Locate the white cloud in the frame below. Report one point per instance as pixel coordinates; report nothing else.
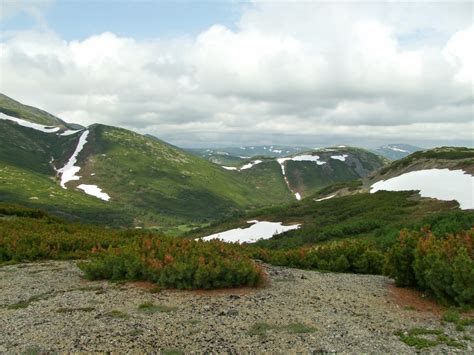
(292, 73)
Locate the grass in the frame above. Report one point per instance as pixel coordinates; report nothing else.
(172, 352)
(463, 323)
(117, 314)
(135, 332)
(298, 328)
(155, 290)
(261, 329)
(149, 307)
(451, 316)
(26, 303)
(421, 338)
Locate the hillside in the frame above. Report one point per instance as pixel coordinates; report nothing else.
(245, 152)
(98, 171)
(396, 151)
(370, 217)
(13, 108)
(305, 173)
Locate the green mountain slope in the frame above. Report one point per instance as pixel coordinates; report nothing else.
(149, 182)
(375, 217)
(146, 173)
(13, 108)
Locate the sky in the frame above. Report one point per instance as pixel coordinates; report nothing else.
(227, 73)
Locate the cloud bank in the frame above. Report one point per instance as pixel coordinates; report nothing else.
(291, 73)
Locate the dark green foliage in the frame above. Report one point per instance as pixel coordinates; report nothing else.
(175, 263)
(328, 190)
(378, 217)
(441, 266)
(347, 256)
(126, 254)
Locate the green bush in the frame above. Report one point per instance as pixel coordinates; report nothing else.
(346, 256)
(175, 263)
(443, 267)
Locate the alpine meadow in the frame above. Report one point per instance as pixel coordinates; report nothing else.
(236, 177)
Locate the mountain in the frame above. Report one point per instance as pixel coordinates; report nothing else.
(13, 108)
(225, 156)
(396, 151)
(112, 175)
(433, 187)
(307, 172)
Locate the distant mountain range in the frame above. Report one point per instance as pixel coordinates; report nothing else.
(396, 151)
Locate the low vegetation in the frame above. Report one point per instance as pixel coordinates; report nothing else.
(125, 254)
(435, 254)
(421, 338)
(443, 266)
(174, 263)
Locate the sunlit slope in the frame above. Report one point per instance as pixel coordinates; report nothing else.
(146, 173)
(14, 108)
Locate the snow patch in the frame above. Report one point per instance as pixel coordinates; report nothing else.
(94, 190)
(68, 171)
(70, 132)
(249, 165)
(281, 161)
(442, 184)
(28, 124)
(339, 157)
(398, 149)
(307, 157)
(325, 198)
(298, 196)
(258, 230)
(244, 167)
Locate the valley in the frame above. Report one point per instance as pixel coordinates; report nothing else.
(124, 236)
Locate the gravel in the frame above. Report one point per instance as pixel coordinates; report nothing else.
(299, 312)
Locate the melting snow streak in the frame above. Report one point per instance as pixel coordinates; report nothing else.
(94, 190)
(28, 124)
(68, 171)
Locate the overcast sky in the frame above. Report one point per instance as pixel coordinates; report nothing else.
(244, 73)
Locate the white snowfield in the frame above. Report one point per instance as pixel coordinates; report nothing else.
(442, 184)
(339, 157)
(398, 149)
(251, 164)
(325, 198)
(308, 157)
(258, 230)
(244, 167)
(298, 196)
(94, 190)
(69, 132)
(24, 123)
(68, 171)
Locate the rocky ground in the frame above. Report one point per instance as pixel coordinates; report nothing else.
(49, 307)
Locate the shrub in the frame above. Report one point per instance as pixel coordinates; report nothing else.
(443, 267)
(346, 256)
(175, 263)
